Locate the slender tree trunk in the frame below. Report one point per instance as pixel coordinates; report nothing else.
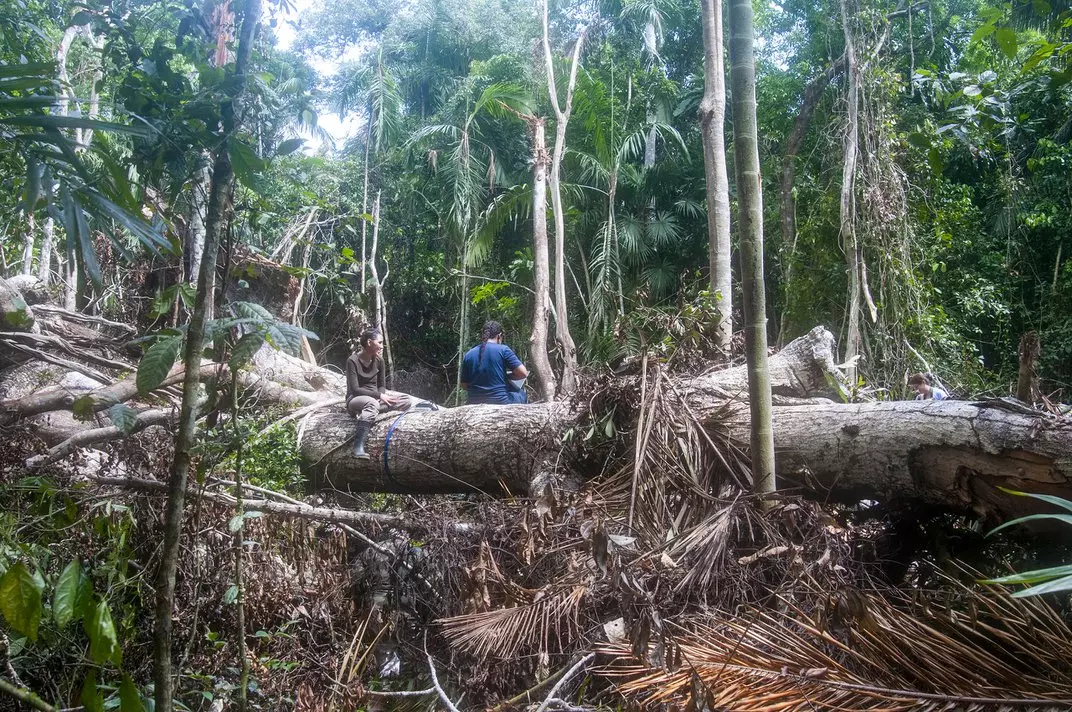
(28, 244)
(712, 130)
(239, 552)
(1027, 384)
(463, 319)
(44, 257)
(750, 224)
(217, 220)
(562, 116)
(377, 286)
(195, 230)
(538, 341)
(848, 203)
(364, 204)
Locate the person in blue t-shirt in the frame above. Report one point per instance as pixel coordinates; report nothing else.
(492, 372)
(921, 384)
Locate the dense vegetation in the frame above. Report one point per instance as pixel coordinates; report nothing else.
(935, 248)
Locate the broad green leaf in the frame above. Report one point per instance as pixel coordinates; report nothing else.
(84, 407)
(245, 161)
(983, 32)
(251, 310)
(41, 69)
(72, 595)
(91, 697)
(123, 417)
(20, 600)
(919, 140)
(1006, 39)
(972, 90)
(157, 362)
(1042, 8)
(230, 595)
(1055, 586)
(151, 237)
(284, 339)
(239, 520)
(129, 698)
(289, 146)
(103, 644)
(1032, 576)
(245, 348)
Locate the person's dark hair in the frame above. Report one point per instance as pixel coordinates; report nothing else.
(368, 336)
(919, 379)
(490, 331)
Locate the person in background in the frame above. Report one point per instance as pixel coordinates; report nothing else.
(492, 372)
(366, 393)
(921, 382)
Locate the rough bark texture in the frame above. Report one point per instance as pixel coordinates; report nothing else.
(712, 130)
(750, 225)
(1027, 383)
(949, 453)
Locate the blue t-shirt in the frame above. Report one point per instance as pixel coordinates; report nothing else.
(487, 376)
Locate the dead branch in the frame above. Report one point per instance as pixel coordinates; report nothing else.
(552, 695)
(99, 435)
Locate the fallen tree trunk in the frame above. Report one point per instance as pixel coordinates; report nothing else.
(949, 453)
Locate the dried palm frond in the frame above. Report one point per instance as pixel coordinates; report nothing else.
(546, 623)
(988, 651)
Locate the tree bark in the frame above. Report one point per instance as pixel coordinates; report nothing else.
(1027, 384)
(848, 194)
(562, 115)
(541, 363)
(750, 224)
(953, 454)
(217, 219)
(712, 131)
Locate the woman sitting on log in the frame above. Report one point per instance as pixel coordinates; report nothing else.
(492, 372)
(366, 393)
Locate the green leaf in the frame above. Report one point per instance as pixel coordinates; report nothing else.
(982, 33)
(238, 521)
(245, 161)
(20, 600)
(919, 140)
(251, 310)
(1006, 39)
(91, 697)
(289, 146)
(230, 595)
(1042, 8)
(1055, 586)
(157, 362)
(72, 595)
(245, 348)
(103, 644)
(1047, 498)
(76, 122)
(129, 699)
(1032, 576)
(1066, 518)
(972, 90)
(123, 417)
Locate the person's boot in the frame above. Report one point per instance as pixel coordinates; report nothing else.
(359, 440)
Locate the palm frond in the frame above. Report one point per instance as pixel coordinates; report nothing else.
(979, 650)
(513, 205)
(546, 623)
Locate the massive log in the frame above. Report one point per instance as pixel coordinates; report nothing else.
(949, 453)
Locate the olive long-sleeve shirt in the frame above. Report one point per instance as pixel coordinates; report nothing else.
(364, 379)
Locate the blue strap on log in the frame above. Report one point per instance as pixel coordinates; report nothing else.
(387, 445)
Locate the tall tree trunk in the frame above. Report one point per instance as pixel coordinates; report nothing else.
(364, 203)
(562, 116)
(1027, 384)
(750, 224)
(848, 202)
(377, 286)
(218, 217)
(44, 257)
(712, 130)
(541, 269)
(463, 318)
